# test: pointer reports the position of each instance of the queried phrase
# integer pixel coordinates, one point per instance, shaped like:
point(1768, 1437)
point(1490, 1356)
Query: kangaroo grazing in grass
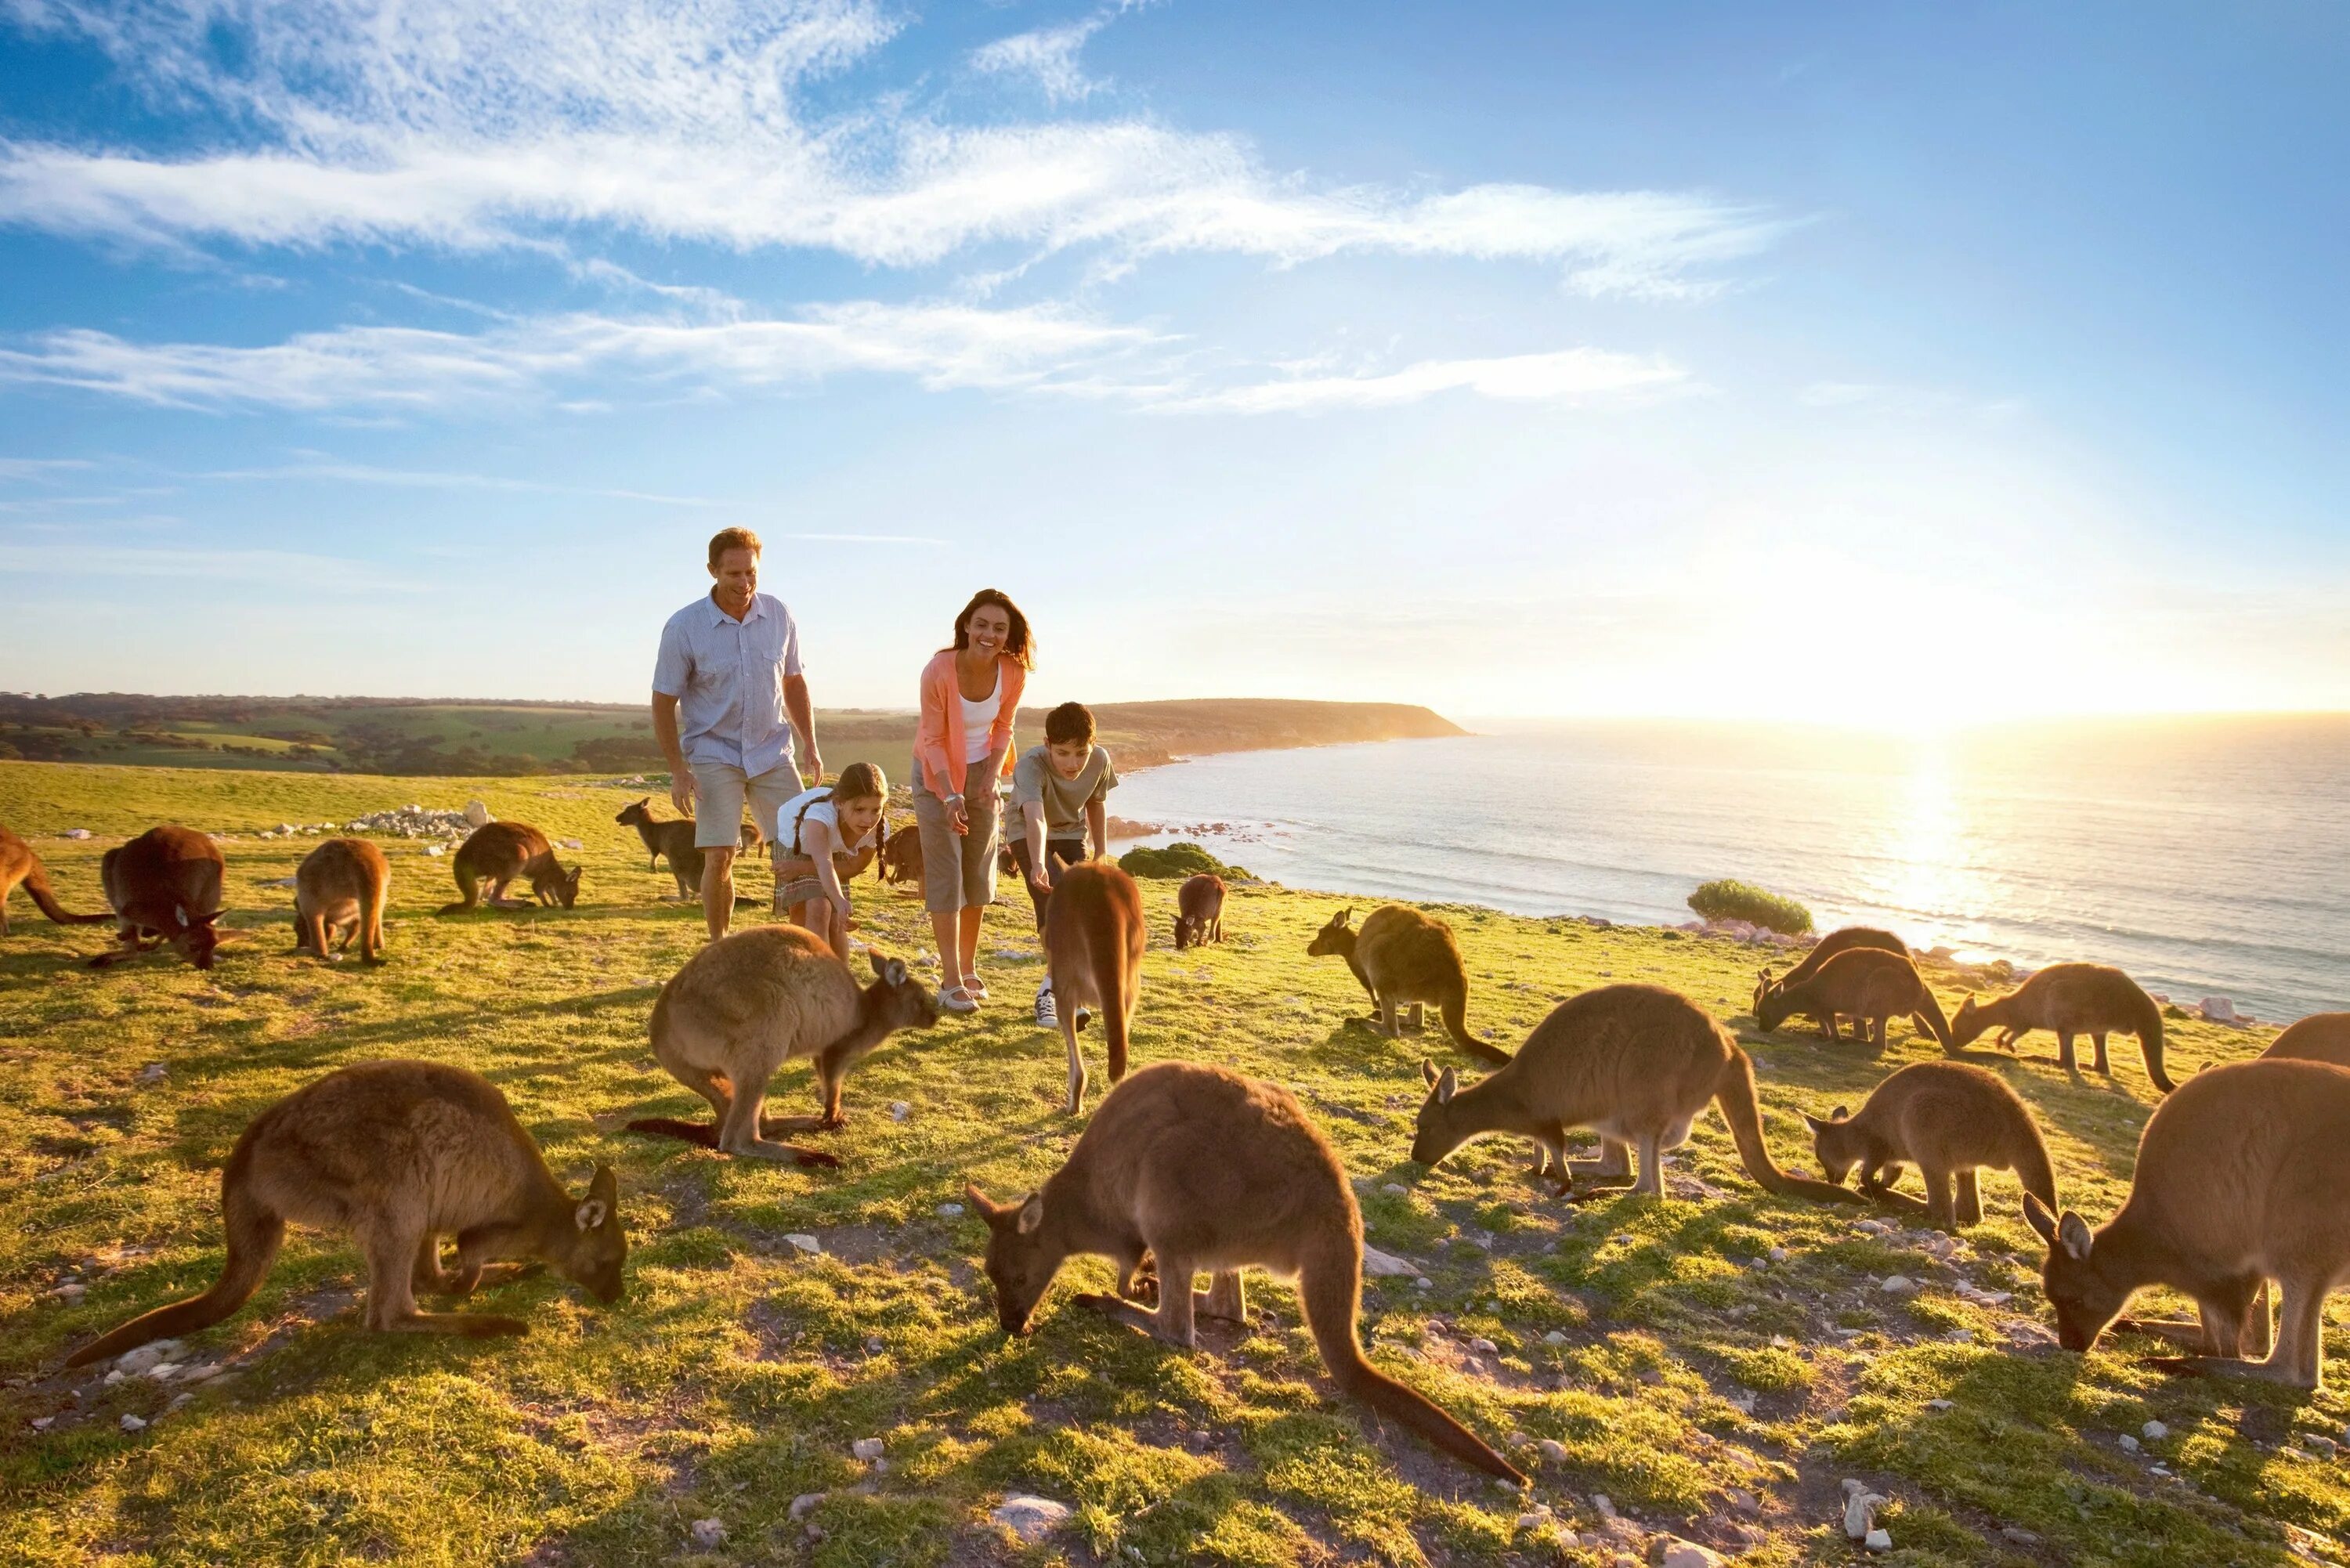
point(1947, 1119)
point(19, 866)
point(164, 885)
point(340, 893)
point(1869, 986)
point(499, 853)
point(1093, 955)
point(751, 1002)
point(1402, 956)
point(398, 1153)
point(2320, 1037)
point(673, 839)
point(2239, 1180)
point(1638, 1064)
point(1203, 1170)
point(1200, 911)
point(2073, 999)
point(1843, 940)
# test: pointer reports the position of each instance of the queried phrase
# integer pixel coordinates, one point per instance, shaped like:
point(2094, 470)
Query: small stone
point(2154, 1431)
point(177, 1401)
point(1423, 1283)
point(1484, 1346)
point(1939, 1404)
point(1899, 1285)
point(2129, 1444)
point(803, 1503)
point(1398, 1188)
point(950, 1210)
point(1602, 1505)
point(152, 1072)
point(133, 1424)
point(1552, 1452)
point(41, 1423)
point(1030, 1518)
point(2318, 1445)
point(805, 1243)
point(146, 1356)
point(2016, 1535)
point(1555, 1336)
point(1780, 1254)
point(1534, 1519)
point(1878, 1541)
point(1744, 1502)
point(1385, 1265)
point(900, 1110)
point(867, 1449)
point(1674, 1552)
point(709, 1534)
point(1860, 1513)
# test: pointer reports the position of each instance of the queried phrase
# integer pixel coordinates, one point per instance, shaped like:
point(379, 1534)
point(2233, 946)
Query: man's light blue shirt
point(727, 676)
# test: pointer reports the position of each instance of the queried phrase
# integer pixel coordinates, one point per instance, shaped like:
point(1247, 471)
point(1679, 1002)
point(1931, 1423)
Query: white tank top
point(979, 718)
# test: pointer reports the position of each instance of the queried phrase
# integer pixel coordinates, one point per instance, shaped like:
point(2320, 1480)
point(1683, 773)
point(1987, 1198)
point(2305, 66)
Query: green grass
point(736, 1373)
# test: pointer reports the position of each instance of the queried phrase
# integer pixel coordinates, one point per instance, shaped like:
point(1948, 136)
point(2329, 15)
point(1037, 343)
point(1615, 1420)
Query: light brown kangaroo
point(2239, 1180)
point(339, 892)
point(749, 1002)
point(1868, 985)
point(1403, 957)
point(673, 838)
point(2320, 1037)
point(1843, 940)
point(1205, 1170)
point(1948, 1119)
point(20, 865)
point(1093, 953)
point(499, 852)
point(1636, 1063)
point(164, 885)
point(2071, 999)
point(1200, 911)
point(398, 1153)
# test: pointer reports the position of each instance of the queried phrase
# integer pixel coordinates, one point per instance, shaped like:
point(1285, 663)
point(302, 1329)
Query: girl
point(812, 829)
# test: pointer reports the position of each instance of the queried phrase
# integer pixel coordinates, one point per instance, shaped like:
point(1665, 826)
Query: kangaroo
point(340, 891)
point(398, 1153)
point(673, 838)
point(165, 885)
point(2073, 999)
point(1200, 911)
point(1204, 1169)
point(1868, 985)
point(2320, 1037)
point(1635, 1063)
point(1836, 941)
point(1402, 956)
point(19, 864)
point(1093, 955)
point(502, 851)
point(751, 1002)
point(1948, 1119)
point(2239, 1180)
point(901, 859)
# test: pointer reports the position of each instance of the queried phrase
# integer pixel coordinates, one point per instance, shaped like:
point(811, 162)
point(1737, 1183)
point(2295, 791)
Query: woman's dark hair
point(1020, 646)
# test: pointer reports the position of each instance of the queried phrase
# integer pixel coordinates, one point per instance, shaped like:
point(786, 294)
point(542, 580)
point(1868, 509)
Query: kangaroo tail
point(1114, 973)
point(1930, 1018)
point(36, 883)
point(254, 1234)
point(2146, 1021)
point(702, 1133)
point(1734, 1092)
point(1455, 1008)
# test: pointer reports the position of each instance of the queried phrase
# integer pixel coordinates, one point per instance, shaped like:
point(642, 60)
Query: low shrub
point(1729, 900)
point(1178, 860)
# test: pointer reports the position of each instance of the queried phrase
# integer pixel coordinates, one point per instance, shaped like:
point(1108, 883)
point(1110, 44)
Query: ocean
point(2205, 856)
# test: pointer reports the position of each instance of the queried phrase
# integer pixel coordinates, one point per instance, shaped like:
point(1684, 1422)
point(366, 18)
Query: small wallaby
point(901, 859)
point(673, 838)
point(1947, 1119)
point(398, 1153)
point(2239, 1180)
point(752, 1000)
point(502, 851)
point(1403, 957)
point(1200, 911)
point(1843, 940)
point(164, 885)
point(2320, 1037)
point(2071, 999)
point(1202, 1169)
point(1868, 985)
point(1638, 1064)
point(339, 892)
point(20, 865)
point(1093, 954)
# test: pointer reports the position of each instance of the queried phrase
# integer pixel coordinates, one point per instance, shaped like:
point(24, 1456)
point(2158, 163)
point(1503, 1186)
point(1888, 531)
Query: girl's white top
point(819, 808)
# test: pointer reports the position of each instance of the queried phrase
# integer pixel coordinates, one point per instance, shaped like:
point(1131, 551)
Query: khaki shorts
point(722, 789)
point(957, 873)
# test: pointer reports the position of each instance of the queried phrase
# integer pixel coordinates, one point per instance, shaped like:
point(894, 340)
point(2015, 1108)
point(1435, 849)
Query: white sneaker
point(1048, 1015)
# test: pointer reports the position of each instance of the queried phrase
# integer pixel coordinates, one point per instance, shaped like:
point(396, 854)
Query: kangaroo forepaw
point(816, 1160)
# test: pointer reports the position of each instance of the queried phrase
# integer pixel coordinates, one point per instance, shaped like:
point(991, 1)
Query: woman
point(813, 826)
point(970, 693)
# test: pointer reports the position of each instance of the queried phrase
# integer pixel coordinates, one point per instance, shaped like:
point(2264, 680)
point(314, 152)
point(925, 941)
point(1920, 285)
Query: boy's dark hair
point(1069, 722)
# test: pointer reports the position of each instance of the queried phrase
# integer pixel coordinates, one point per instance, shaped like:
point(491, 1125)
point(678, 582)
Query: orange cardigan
point(938, 741)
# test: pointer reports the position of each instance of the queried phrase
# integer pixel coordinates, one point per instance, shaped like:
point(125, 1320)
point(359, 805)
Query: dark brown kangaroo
point(1843, 940)
point(165, 887)
point(340, 893)
point(901, 859)
point(1868, 985)
point(2073, 999)
point(1205, 1170)
point(398, 1153)
point(1093, 952)
point(1405, 958)
point(1200, 911)
point(673, 839)
point(499, 853)
point(20, 867)
point(1948, 1119)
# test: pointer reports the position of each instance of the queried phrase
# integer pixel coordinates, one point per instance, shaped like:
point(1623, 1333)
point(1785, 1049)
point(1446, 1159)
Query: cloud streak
point(1567, 375)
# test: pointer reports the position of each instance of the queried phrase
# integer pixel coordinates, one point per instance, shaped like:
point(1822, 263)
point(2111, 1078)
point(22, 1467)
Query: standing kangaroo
point(901, 859)
point(1093, 953)
point(2239, 1180)
point(502, 851)
point(1200, 911)
point(1636, 1063)
point(1843, 940)
point(1403, 957)
point(673, 838)
point(1206, 1170)
point(398, 1153)
point(1868, 985)
point(2320, 1037)
point(2073, 999)
point(1948, 1119)
point(19, 864)
point(749, 1002)
point(165, 885)
point(339, 892)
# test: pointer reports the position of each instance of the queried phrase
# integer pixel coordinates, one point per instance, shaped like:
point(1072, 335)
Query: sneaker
point(1084, 1016)
point(955, 999)
point(1048, 1015)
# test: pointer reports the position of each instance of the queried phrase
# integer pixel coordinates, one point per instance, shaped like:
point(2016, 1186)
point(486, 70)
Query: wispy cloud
point(422, 479)
point(1049, 55)
point(40, 468)
point(1567, 375)
point(286, 568)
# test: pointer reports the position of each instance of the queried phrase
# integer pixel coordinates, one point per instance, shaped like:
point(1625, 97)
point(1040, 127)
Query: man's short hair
point(727, 539)
point(1068, 724)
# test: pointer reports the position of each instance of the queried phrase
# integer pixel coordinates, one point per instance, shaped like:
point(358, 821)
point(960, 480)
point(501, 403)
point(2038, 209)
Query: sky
point(1883, 364)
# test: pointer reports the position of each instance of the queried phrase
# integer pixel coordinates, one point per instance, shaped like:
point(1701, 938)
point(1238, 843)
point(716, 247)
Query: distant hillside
point(421, 737)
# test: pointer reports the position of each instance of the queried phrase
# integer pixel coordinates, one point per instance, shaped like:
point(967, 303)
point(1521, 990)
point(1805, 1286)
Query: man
point(727, 680)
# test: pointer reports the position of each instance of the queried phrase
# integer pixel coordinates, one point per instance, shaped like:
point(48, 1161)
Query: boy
point(1058, 804)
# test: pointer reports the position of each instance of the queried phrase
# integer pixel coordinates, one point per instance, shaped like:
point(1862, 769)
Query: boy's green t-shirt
point(1065, 800)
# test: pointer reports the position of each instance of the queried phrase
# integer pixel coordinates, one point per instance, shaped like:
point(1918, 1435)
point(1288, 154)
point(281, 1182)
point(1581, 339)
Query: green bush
point(1728, 900)
point(1178, 860)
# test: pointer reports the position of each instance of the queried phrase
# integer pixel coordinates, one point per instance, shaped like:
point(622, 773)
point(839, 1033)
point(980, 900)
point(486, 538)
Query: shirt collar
point(758, 608)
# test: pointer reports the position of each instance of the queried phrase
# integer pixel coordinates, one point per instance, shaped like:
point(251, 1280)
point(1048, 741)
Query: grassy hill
point(1713, 1362)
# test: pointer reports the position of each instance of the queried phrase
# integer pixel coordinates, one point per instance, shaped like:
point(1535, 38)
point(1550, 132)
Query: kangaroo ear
point(1839, 1115)
point(603, 1196)
point(2072, 1235)
point(873, 956)
point(182, 914)
point(1428, 1072)
point(895, 974)
point(1447, 1086)
point(1032, 1213)
point(2036, 1214)
point(1814, 1123)
point(981, 1204)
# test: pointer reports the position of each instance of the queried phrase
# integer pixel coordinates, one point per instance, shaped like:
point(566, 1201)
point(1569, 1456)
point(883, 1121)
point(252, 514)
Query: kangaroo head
point(635, 812)
point(1336, 935)
point(1771, 1008)
point(194, 937)
point(1183, 932)
point(1020, 1263)
point(1432, 1138)
point(567, 887)
point(1762, 983)
point(596, 1246)
point(2085, 1301)
point(1968, 1021)
point(901, 1000)
point(1838, 1145)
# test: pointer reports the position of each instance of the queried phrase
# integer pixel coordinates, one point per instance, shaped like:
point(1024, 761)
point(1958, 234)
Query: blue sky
point(1889, 364)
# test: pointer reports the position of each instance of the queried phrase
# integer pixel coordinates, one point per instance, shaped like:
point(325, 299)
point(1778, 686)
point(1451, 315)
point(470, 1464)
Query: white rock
point(1484, 1346)
point(1779, 1254)
point(141, 1357)
point(1602, 1505)
point(1552, 1452)
point(1878, 1541)
point(1397, 1188)
point(709, 1534)
point(1536, 1518)
point(477, 814)
point(1860, 1513)
point(2154, 1431)
point(133, 1424)
point(571, 843)
point(1555, 1336)
point(900, 1110)
point(950, 1210)
point(435, 850)
point(164, 1372)
point(2318, 1445)
point(1030, 1518)
point(1939, 1404)
point(41, 1423)
point(1385, 1265)
point(804, 1503)
point(177, 1400)
point(2217, 1010)
point(1873, 1228)
point(1423, 1283)
point(805, 1243)
point(2129, 1444)
point(1899, 1285)
point(867, 1449)
point(1679, 1553)
point(75, 832)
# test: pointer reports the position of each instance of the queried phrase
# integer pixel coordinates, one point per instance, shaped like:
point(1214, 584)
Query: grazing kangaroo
point(2320, 1037)
point(398, 1153)
point(673, 838)
point(2239, 1182)
point(1636, 1063)
point(1869, 986)
point(19, 864)
point(751, 1002)
point(502, 851)
point(1093, 955)
point(165, 885)
point(901, 859)
point(1843, 940)
point(1402, 956)
point(1200, 911)
point(2073, 999)
point(339, 892)
point(1204, 1169)
point(1948, 1119)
